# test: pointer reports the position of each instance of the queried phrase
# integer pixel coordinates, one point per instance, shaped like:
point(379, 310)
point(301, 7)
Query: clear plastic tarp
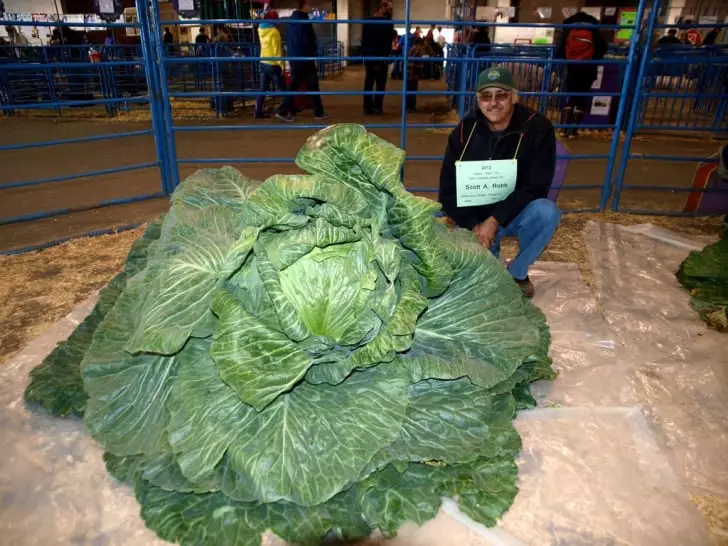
point(634, 423)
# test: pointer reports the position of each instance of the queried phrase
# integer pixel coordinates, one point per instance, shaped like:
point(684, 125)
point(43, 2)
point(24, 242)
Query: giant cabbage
point(316, 355)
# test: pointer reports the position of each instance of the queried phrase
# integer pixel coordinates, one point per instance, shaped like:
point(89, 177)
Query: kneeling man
point(497, 171)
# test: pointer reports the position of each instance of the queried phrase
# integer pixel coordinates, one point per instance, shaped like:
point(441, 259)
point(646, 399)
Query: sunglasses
point(498, 96)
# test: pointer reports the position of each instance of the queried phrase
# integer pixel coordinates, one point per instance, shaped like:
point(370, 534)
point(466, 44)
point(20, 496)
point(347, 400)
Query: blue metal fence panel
point(59, 77)
point(33, 76)
point(680, 89)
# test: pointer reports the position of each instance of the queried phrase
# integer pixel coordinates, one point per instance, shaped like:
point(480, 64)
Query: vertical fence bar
point(405, 69)
point(543, 100)
point(636, 101)
point(155, 98)
point(636, 37)
point(462, 79)
point(166, 107)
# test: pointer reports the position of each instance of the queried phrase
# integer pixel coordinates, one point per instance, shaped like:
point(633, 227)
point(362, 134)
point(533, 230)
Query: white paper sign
point(600, 106)
point(186, 5)
point(600, 77)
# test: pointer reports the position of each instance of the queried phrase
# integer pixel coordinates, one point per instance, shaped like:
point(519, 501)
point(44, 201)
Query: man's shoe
point(321, 117)
point(526, 287)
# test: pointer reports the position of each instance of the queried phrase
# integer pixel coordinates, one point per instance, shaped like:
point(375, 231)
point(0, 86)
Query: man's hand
point(486, 232)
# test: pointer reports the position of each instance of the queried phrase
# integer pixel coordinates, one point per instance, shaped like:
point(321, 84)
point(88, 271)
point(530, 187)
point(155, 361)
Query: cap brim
point(503, 86)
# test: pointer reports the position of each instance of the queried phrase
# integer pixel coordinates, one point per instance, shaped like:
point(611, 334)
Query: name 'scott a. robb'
point(485, 182)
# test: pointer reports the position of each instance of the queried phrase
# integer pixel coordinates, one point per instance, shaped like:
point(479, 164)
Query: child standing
point(271, 72)
point(415, 71)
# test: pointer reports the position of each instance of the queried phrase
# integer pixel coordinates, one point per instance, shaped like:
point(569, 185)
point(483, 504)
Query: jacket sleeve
point(560, 52)
point(600, 46)
point(310, 34)
point(366, 38)
point(535, 179)
point(464, 217)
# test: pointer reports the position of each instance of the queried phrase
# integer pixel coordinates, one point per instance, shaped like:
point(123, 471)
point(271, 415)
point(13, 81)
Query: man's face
point(495, 103)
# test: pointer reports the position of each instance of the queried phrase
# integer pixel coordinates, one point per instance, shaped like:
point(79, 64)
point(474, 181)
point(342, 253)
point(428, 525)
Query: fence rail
point(54, 77)
point(640, 88)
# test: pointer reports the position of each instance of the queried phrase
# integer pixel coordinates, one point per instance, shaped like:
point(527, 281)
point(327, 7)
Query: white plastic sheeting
point(677, 367)
point(635, 419)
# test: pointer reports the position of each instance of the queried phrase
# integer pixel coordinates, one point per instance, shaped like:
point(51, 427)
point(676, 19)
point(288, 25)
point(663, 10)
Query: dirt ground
point(36, 163)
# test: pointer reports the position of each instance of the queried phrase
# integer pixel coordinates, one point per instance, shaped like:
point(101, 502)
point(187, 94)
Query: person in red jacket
point(579, 44)
point(497, 171)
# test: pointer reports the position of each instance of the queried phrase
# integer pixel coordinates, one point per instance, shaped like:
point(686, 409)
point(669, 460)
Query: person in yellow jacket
point(271, 72)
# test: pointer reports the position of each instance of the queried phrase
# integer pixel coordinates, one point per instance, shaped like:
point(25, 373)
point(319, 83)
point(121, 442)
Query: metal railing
point(693, 81)
point(80, 80)
point(33, 77)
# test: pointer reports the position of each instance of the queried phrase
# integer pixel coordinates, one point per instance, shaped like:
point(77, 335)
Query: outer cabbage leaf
point(303, 448)
point(196, 520)
point(481, 337)
point(127, 394)
point(197, 250)
point(224, 186)
point(453, 422)
point(214, 519)
point(56, 384)
point(391, 497)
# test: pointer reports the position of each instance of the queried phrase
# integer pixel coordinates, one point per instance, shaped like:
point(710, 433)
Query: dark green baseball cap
point(500, 77)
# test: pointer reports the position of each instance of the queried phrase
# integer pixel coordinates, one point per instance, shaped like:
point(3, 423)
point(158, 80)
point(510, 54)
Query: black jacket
point(376, 39)
point(300, 37)
point(536, 163)
point(600, 44)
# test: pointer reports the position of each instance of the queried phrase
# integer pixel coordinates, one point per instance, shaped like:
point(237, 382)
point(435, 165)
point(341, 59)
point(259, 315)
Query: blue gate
point(681, 89)
point(58, 78)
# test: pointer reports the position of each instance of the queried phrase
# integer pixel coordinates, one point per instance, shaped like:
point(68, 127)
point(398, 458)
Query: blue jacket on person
point(300, 38)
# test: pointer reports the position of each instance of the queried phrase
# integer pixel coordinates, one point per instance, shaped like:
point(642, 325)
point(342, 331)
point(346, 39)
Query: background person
point(415, 72)
point(670, 38)
point(271, 72)
point(377, 41)
point(692, 36)
point(579, 44)
point(711, 37)
point(500, 129)
point(301, 42)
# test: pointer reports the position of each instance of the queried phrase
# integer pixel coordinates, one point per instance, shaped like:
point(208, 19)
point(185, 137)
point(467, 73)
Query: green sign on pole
point(627, 18)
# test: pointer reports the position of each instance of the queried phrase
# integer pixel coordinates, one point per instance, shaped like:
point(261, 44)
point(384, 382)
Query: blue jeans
point(269, 75)
point(534, 228)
